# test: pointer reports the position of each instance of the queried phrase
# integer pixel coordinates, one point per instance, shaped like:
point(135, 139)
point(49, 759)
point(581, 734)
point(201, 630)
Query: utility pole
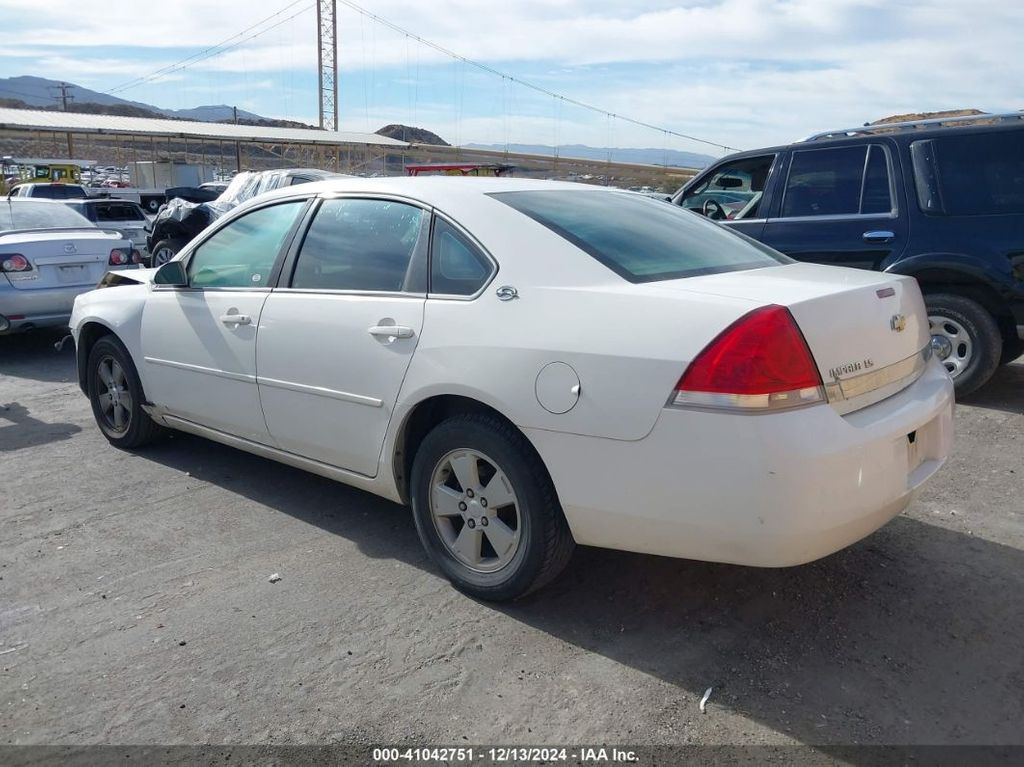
point(64, 97)
point(238, 147)
point(327, 62)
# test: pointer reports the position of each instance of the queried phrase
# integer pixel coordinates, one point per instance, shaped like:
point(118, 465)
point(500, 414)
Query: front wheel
point(115, 393)
point(486, 510)
point(965, 338)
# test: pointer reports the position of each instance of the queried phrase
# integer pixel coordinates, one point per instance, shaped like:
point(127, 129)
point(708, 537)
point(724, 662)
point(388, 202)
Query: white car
point(533, 365)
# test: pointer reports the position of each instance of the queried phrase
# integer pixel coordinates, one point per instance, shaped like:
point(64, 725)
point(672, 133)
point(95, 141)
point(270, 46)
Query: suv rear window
point(639, 238)
point(971, 175)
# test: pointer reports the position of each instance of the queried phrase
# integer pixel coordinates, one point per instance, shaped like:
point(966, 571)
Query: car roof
point(874, 133)
point(430, 189)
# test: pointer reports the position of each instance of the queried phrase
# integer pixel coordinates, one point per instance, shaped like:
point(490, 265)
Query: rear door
point(336, 339)
point(840, 205)
point(199, 341)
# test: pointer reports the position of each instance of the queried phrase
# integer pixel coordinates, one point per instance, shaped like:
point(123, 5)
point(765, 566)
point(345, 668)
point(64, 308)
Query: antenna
point(327, 62)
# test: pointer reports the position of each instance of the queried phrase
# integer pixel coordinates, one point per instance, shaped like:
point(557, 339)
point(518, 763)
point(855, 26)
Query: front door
point(200, 341)
point(336, 339)
point(840, 207)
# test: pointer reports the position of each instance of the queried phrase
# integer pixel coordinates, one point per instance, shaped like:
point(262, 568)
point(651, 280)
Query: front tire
point(115, 393)
point(965, 338)
point(486, 510)
point(166, 249)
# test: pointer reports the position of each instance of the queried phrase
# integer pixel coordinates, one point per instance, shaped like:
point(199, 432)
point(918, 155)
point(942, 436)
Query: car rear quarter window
point(457, 267)
point(360, 245)
point(972, 174)
point(639, 238)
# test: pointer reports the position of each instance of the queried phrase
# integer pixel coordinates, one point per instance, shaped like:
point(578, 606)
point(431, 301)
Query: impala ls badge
point(898, 323)
point(69, 247)
point(506, 293)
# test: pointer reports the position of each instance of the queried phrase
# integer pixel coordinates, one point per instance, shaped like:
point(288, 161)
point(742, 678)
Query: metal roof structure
point(75, 122)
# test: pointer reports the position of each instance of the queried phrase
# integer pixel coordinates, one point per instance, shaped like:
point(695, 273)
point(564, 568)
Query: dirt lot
point(135, 608)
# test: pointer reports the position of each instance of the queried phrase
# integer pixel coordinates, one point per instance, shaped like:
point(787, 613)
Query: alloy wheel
point(116, 399)
point(475, 510)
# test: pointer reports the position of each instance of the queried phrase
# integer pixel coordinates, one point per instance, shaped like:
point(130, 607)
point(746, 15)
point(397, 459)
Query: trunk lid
point(61, 257)
point(868, 331)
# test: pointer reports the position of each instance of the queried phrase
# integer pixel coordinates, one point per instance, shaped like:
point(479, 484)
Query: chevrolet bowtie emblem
point(898, 323)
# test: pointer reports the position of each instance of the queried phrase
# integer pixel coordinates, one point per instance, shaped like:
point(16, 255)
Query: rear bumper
point(769, 490)
point(36, 308)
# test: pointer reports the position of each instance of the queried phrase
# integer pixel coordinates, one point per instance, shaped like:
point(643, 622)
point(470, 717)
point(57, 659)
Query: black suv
point(941, 200)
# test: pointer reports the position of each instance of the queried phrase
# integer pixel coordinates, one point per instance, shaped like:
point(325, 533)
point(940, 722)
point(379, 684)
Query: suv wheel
point(486, 510)
point(165, 250)
point(965, 338)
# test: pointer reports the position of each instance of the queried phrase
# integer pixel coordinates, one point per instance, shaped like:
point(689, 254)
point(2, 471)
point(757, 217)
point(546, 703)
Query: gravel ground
point(135, 607)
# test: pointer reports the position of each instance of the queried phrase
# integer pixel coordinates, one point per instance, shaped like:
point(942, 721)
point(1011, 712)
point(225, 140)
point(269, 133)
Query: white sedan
point(533, 365)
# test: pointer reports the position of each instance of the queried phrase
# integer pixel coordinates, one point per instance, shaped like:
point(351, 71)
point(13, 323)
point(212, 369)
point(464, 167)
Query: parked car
point(532, 365)
point(940, 200)
point(48, 255)
point(50, 191)
point(180, 220)
point(124, 215)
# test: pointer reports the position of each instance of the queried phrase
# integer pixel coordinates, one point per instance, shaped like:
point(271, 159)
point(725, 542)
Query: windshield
point(17, 214)
point(639, 238)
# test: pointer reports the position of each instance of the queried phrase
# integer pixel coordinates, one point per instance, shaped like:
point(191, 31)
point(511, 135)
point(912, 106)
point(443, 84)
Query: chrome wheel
point(116, 400)
point(162, 256)
point(951, 343)
point(475, 510)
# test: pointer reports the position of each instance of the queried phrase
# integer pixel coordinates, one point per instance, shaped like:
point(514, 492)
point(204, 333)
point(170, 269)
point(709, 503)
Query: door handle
point(236, 319)
point(879, 236)
point(391, 331)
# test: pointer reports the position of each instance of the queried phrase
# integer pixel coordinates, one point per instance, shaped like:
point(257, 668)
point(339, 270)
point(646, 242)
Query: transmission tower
point(327, 60)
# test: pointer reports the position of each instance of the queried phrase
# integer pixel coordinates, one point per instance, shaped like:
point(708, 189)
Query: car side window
point(733, 191)
point(457, 267)
point(359, 244)
point(841, 181)
point(242, 254)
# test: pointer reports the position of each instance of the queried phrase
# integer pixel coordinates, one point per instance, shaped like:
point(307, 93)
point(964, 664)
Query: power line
point(539, 89)
point(215, 50)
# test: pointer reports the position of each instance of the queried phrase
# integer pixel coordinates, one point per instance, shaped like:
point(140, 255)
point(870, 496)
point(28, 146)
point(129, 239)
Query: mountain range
point(38, 92)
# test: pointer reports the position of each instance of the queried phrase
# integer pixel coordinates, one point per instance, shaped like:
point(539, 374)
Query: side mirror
point(171, 273)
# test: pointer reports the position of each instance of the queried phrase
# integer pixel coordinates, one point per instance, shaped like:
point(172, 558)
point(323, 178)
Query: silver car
point(125, 216)
point(48, 255)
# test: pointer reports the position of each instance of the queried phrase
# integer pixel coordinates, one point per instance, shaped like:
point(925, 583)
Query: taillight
point(136, 257)
point(15, 263)
point(118, 258)
point(760, 362)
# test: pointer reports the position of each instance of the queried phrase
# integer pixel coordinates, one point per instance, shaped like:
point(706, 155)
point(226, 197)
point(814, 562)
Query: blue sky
point(744, 73)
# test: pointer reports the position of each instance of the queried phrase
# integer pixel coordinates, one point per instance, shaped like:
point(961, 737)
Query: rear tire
point(166, 249)
point(115, 393)
point(498, 550)
point(965, 338)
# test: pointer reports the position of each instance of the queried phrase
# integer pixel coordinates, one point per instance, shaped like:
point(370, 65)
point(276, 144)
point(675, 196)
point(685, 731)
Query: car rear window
point(18, 214)
point(58, 192)
point(639, 238)
point(971, 175)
